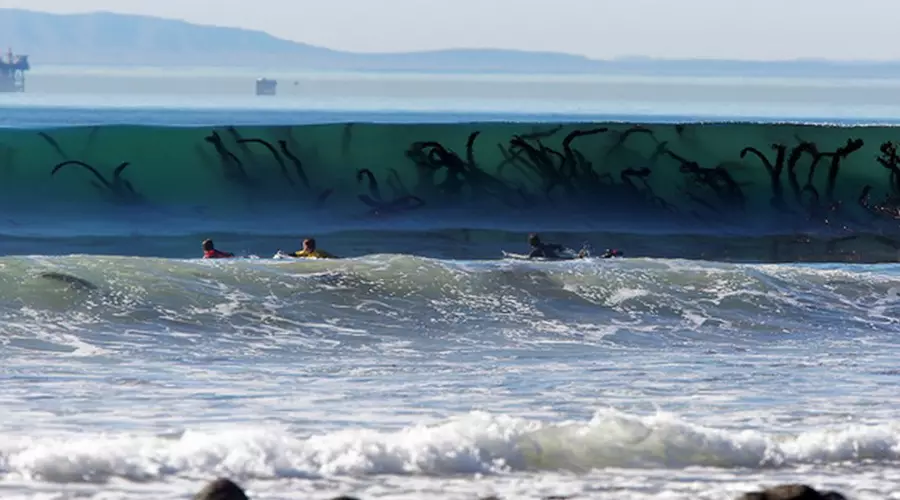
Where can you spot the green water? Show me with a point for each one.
(683, 179)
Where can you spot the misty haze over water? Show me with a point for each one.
(202, 87)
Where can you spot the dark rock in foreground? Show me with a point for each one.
(225, 489)
(792, 492)
(221, 489)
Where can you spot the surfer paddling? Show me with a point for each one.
(545, 250)
(552, 251)
(210, 252)
(309, 251)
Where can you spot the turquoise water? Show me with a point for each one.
(743, 347)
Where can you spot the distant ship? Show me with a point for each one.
(12, 72)
(265, 86)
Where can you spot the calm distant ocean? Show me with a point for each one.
(423, 364)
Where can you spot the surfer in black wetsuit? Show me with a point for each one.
(551, 250)
(541, 249)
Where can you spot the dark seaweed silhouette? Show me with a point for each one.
(774, 171)
(543, 162)
(647, 192)
(891, 161)
(430, 157)
(639, 173)
(727, 190)
(274, 153)
(120, 189)
(374, 190)
(623, 137)
(53, 144)
(578, 166)
(236, 137)
(434, 157)
(232, 167)
(377, 206)
(814, 208)
(298, 165)
(301, 173)
(852, 146)
(812, 150)
(86, 147)
(574, 175)
(808, 149)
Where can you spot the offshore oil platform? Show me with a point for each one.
(12, 72)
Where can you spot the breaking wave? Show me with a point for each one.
(477, 443)
(309, 306)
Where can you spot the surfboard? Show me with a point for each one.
(522, 256)
(230, 259)
(282, 256)
(516, 256)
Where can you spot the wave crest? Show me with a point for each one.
(476, 443)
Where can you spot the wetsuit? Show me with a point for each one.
(216, 254)
(546, 250)
(314, 254)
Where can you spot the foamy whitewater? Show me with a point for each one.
(423, 365)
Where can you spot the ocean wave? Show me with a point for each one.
(717, 178)
(475, 443)
(317, 302)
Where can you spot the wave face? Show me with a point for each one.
(627, 176)
(450, 297)
(141, 377)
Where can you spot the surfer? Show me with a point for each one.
(210, 252)
(545, 250)
(540, 249)
(310, 251)
(608, 254)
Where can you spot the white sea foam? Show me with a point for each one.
(477, 443)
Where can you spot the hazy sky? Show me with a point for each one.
(745, 29)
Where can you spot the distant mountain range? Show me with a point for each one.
(107, 39)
